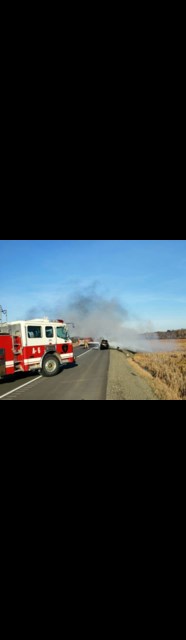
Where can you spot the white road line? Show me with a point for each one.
(84, 354)
(22, 385)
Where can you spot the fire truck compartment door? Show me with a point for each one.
(2, 362)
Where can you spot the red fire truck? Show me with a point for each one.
(34, 344)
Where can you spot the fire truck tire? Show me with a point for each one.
(50, 366)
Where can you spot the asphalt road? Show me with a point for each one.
(87, 380)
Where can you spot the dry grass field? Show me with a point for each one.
(166, 369)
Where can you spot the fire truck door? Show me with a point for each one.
(34, 339)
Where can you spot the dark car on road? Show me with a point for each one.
(104, 344)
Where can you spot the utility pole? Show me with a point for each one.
(2, 311)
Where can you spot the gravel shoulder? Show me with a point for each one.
(124, 383)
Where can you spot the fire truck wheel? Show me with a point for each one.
(51, 366)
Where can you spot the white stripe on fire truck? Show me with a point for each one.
(66, 356)
(9, 363)
(30, 360)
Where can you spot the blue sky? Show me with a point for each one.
(148, 277)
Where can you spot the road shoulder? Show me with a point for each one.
(124, 382)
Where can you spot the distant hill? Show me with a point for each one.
(173, 334)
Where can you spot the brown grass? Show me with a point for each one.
(167, 370)
(180, 345)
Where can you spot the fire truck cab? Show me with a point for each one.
(35, 344)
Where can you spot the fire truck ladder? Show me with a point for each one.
(17, 353)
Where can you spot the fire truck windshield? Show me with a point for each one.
(62, 333)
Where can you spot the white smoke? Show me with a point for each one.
(98, 317)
